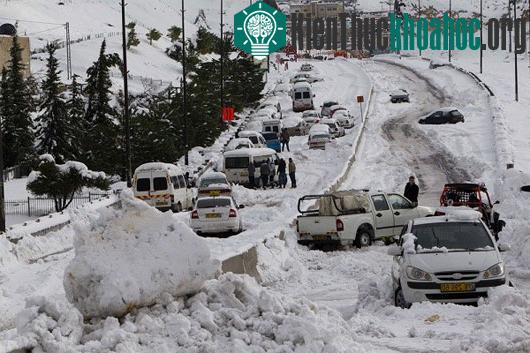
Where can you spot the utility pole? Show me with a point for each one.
(419, 15)
(222, 60)
(481, 35)
(68, 51)
(515, 51)
(450, 29)
(2, 205)
(184, 103)
(126, 99)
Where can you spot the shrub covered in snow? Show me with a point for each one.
(126, 258)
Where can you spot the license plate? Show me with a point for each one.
(320, 237)
(161, 203)
(245, 174)
(215, 193)
(213, 215)
(457, 287)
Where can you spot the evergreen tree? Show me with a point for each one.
(76, 114)
(153, 35)
(53, 125)
(17, 109)
(174, 33)
(207, 42)
(132, 37)
(4, 101)
(101, 136)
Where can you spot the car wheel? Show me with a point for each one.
(393, 101)
(363, 238)
(399, 299)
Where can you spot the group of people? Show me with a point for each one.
(267, 171)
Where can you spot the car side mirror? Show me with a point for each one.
(503, 247)
(497, 202)
(395, 250)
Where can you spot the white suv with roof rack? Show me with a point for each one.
(450, 258)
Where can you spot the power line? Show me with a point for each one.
(45, 30)
(29, 21)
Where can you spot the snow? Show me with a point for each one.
(127, 258)
(409, 246)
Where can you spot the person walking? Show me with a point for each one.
(282, 173)
(285, 139)
(292, 173)
(272, 172)
(264, 174)
(412, 190)
(251, 172)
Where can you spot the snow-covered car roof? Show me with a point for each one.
(239, 141)
(446, 109)
(272, 122)
(302, 84)
(213, 175)
(319, 128)
(308, 112)
(158, 166)
(328, 121)
(398, 92)
(341, 114)
(255, 152)
(253, 126)
(337, 107)
(292, 121)
(472, 216)
(249, 133)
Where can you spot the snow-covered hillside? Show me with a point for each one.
(42, 21)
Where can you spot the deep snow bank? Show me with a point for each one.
(128, 257)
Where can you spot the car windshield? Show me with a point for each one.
(254, 139)
(270, 136)
(315, 137)
(454, 236)
(212, 181)
(211, 203)
(236, 162)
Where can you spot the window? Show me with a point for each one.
(159, 183)
(298, 95)
(380, 203)
(236, 162)
(452, 235)
(210, 203)
(143, 184)
(254, 139)
(455, 113)
(212, 181)
(307, 95)
(175, 182)
(182, 181)
(398, 202)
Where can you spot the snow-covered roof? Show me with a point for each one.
(292, 121)
(249, 133)
(319, 128)
(158, 166)
(213, 175)
(256, 152)
(447, 109)
(302, 85)
(328, 121)
(459, 216)
(337, 107)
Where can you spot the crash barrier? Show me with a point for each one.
(503, 148)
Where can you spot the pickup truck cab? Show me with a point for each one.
(354, 217)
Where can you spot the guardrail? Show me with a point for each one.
(41, 206)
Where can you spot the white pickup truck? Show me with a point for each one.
(354, 217)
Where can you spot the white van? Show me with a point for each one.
(256, 137)
(163, 185)
(319, 136)
(236, 163)
(302, 96)
(272, 125)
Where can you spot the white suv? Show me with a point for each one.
(446, 259)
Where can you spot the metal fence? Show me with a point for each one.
(38, 206)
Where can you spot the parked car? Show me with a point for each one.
(443, 116)
(164, 186)
(326, 108)
(446, 259)
(302, 97)
(336, 130)
(213, 184)
(273, 140)
(272, 125)
(399, 96)
(469, 196)
(344, 119)
(354, 217)
(238, 143)
(306, 67)
(319, 136)
(309, 77)
(311, 117)
(336, 108)
(215, 215)
(236, 163)
(295, 126)
(254, 136)
(274, 102)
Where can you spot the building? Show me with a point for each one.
(316, 9)
(6, 42)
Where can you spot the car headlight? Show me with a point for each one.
(417, 274)
(495, 271)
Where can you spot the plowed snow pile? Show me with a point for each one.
(126, 258)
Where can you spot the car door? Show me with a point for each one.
(403, 211)
(435, 118)
(384, 218)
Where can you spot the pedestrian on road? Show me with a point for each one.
(282, 173)
(251, 172)
(412, 190)
(272, 172)
(292, 172)
(285, 139)
(264, 174)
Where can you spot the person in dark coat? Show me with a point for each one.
(292, 172)
(251, 172)
(282, 173)
(412, 190)
(285, 139)
(264, 171)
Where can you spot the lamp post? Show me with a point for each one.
(481, 34)
(126, 99)
(515, 52)
(419, 15)
(184, 103)
(450, 16)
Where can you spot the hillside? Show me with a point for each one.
(42, 21)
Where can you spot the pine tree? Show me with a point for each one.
(174, 33)
(18, 125)
(4, 102)
(100, 142)
(132, 38)
(153, 35)
(76, 114)
(53, 125)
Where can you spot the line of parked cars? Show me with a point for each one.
(444, 254)
(330, 123)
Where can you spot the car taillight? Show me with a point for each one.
(232, 213)
(195, 215)
(340, 225)
(439, 213)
